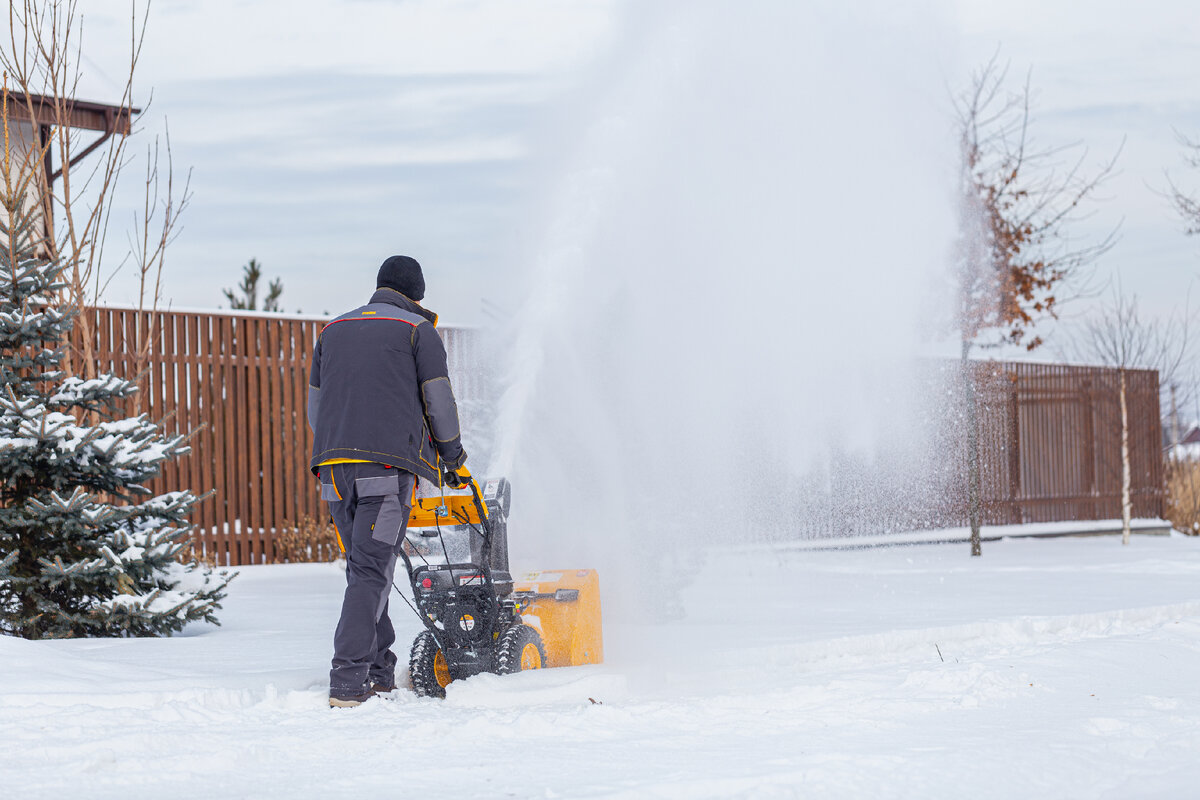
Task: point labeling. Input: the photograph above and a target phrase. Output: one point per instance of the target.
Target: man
(382, 412)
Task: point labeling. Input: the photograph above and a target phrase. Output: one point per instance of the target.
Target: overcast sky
(324, 136)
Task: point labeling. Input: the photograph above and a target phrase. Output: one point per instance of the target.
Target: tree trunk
(974, 494)
(1174, 423)
(1126, 472)
(81, 363)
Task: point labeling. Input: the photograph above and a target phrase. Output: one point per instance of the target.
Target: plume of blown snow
(729, 289)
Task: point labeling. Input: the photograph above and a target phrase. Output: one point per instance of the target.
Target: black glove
(454, 480)
(453, 464)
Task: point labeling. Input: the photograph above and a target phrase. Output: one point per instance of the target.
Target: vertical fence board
(229, 402)
(275, 465)
(252, 521)
(214, 411)
(246, 416)
(307, 488)
(286, 436)
(196, 423)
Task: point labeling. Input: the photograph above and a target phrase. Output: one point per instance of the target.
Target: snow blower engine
(477, 618)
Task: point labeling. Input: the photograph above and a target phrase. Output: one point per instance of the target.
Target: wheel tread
(512, 643)
(420, 665)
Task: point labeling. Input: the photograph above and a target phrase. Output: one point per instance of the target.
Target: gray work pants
(370, 505)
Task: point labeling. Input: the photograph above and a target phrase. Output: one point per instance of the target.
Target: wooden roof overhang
(41, 112)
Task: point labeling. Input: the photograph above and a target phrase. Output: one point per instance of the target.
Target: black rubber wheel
(520, 648)
(427, 667)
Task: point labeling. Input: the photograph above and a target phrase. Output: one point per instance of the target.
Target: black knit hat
(402, 274)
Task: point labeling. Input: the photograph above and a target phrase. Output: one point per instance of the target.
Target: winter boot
(350, 699)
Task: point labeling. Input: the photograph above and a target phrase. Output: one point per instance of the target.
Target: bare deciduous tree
(42, 58)
(153, 230)
(1118, 336)
(22, 194)
(1014, 258)
(1184, 202)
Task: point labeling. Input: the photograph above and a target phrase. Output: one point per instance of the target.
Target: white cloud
(217, 39)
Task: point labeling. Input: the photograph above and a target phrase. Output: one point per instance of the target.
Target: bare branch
(1015, 259)
(45, 53)
(1186, 204)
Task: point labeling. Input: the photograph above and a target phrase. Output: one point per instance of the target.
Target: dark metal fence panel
(238, 382)
(1049, 451)
(1052, 437)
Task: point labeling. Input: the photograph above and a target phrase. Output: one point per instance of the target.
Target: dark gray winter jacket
(379, 390)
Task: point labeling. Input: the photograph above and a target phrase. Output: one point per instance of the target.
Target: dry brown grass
(192, 553)
(1183, 495)
(307, 542)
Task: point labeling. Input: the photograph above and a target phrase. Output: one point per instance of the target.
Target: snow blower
(477, 618)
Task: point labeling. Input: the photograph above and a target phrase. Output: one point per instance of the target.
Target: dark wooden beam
(81, 114)
(110, 120)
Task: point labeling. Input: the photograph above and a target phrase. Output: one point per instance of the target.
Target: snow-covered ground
(1064, 668)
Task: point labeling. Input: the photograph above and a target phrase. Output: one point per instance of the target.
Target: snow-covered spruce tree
(83, 550)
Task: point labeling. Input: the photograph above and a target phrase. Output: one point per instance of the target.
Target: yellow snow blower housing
(564, 607)
(477, 619)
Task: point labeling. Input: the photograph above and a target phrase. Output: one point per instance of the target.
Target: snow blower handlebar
(451, 509)
(459, 478)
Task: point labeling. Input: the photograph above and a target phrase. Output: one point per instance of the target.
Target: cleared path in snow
(1066, 669)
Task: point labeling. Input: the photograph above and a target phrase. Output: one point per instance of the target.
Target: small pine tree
(83, 552)
(248, 301)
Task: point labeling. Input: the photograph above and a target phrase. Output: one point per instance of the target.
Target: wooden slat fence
(239, 383)
(1049, 434)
